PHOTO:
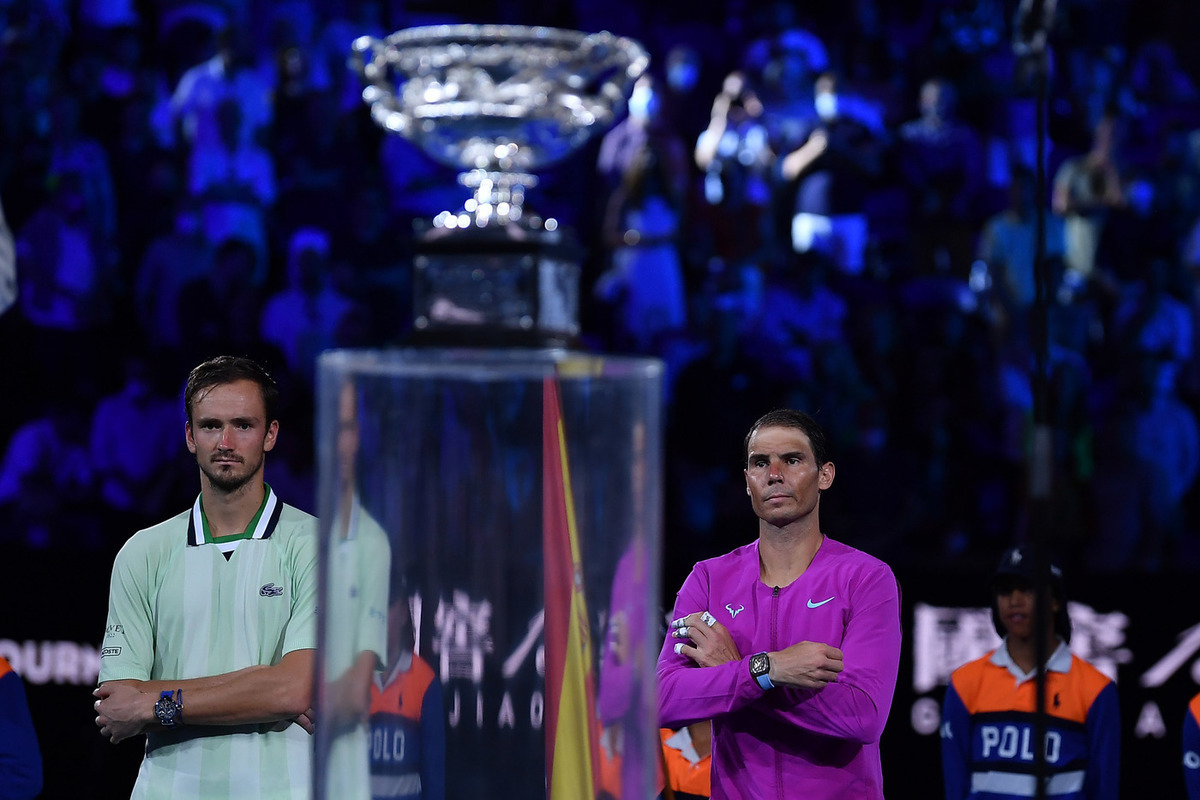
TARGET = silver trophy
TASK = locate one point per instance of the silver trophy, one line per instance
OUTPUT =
(498, 102)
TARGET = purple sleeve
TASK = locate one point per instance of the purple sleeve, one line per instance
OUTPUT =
(856, 706)
(617, 685)
(689, 693)
(619, 679)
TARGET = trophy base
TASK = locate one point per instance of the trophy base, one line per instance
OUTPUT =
(495, 287)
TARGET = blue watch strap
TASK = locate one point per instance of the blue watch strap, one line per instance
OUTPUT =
(757, 663)
(169, 708)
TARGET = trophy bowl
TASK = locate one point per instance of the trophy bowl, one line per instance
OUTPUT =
(497, 102)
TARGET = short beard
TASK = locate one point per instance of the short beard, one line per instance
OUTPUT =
(232, 483)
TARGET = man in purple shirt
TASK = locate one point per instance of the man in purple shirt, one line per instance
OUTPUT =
(790, 644)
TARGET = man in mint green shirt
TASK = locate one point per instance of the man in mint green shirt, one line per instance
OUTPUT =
(211, 635)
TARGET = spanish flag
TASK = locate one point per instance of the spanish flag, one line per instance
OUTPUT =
(572, 749)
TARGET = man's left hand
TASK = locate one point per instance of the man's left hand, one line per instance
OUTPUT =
(704, 640)
(122, 711)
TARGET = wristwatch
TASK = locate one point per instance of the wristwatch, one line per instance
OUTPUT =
(760, 670)
(169, 708)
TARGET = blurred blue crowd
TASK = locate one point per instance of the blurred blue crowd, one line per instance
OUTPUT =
(826, 206)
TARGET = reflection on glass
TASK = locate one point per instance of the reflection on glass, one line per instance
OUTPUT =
(357, 555)
(624, 770)
(408, 739)
(507, 483)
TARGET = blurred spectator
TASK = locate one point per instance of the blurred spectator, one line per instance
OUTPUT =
(331, 70)
(67, 285)
(317, 159)
(288, 67)
(1007, 247)
(172, 261)
(1150, 324)
(788, 54)
(229, 75)
(799, 316)
(622, 146)
(700, 510)
(641, 225)
(122, 71)
(71, 150)
(373, 253)
(303, 318)
(1086, 188)
(47, 491)
(135, 474)
(831, 171)
(788, 75)
(1147, 458)
(736, 157)
(147, 180)
(1158, 79)
(683, 72)
(219, 311)
(941, 160)
(234, 180)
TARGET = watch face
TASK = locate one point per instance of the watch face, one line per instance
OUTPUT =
(760, 664)
(165, 710)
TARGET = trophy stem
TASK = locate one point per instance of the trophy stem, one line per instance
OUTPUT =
(499, 196)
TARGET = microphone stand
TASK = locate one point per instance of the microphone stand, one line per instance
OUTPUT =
(1031, 30)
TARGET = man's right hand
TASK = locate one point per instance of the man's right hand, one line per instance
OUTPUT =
(705, 641)
(122, 711)
(806, 665)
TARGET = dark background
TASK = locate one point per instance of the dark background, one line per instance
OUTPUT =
(941, 499)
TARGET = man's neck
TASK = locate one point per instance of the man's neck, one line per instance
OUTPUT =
(345, 510)
(228, 513)
(1023, 652)
(784, 554)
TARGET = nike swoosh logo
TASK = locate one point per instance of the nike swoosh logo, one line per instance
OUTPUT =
(811, 604)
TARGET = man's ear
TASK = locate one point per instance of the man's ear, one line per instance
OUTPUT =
(272, 433)
(827, 473)
(187, 435)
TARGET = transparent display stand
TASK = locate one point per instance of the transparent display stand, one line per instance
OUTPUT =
(490, 534)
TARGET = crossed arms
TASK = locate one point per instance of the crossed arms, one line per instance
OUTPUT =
(844, 691)
(280, 692)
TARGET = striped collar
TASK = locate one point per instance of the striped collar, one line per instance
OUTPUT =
(1059, 661)
(261, 526)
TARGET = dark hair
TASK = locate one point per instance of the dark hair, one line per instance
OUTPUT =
(1017, 569)
(789, 418)
(227, 369)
